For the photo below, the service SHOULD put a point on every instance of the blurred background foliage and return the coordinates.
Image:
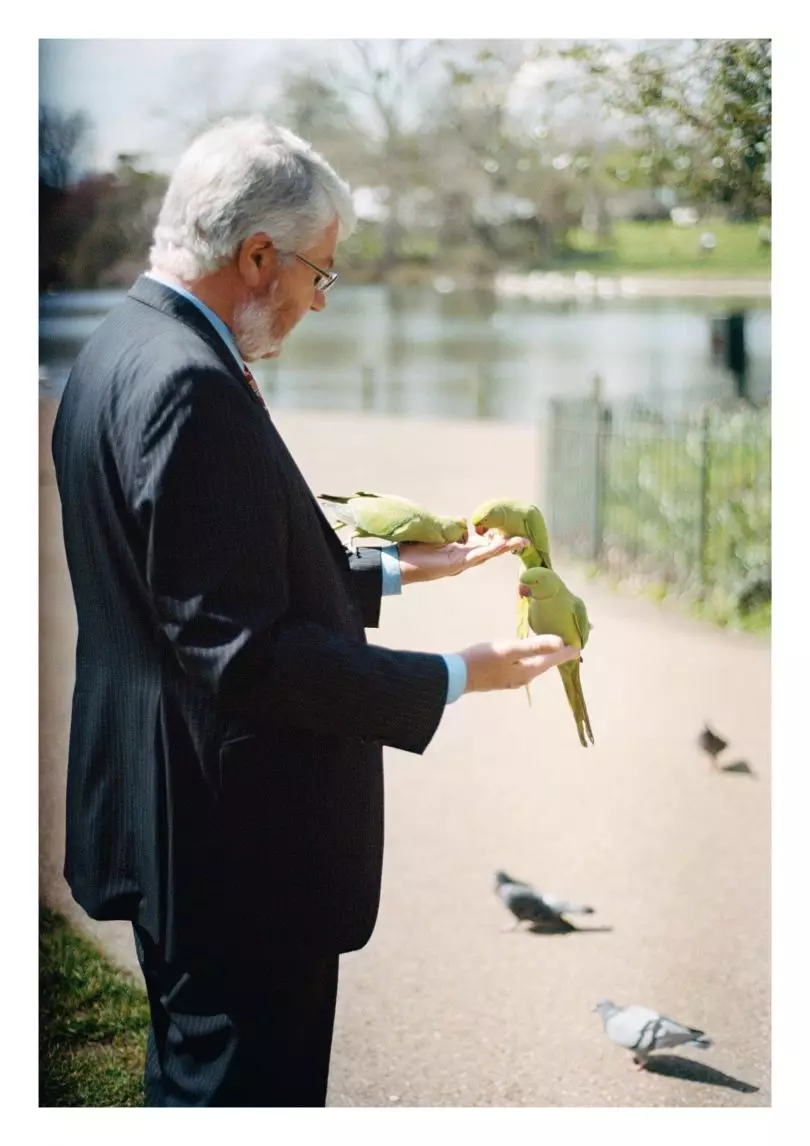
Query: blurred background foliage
(471, 156)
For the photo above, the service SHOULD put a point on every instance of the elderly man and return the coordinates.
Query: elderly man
(225, 785)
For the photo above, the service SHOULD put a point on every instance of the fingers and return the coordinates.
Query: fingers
(511, 664)
(494, 546)
(540, 653)
(509, 544)
(543, 661)
(538, 643)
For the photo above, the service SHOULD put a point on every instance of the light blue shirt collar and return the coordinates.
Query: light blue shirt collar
(217, 323)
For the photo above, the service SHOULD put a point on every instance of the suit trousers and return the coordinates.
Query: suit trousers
(245, 1034)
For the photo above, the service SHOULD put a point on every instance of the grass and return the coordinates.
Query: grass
(687, 512)
(93, 1023)
(635, 248)
(717, 607)
(663, 248)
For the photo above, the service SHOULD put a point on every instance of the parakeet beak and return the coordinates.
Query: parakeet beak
(480, 530)
(524, 590)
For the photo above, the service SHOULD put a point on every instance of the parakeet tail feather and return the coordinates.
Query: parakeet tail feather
(576, 699)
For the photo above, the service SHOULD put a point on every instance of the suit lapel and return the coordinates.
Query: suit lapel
(163, 298)
(329, 530)
(289, 461)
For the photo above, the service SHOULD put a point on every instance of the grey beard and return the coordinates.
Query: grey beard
(254, 324)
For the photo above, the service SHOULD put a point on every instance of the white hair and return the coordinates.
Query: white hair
(240, 177)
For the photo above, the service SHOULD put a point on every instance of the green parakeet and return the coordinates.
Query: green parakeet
(552, 608)
(392, 518)
(516, 519)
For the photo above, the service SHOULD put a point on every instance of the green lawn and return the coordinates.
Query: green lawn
(635, 248)
(93, 1023)
(663, 248)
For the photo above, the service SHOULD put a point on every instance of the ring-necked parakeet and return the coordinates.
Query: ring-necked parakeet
(516, 519)
(393, 518)
(552, 608)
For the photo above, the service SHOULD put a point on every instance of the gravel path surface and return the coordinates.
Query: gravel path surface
(444, 1007)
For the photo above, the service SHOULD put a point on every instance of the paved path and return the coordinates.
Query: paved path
(444, 1008)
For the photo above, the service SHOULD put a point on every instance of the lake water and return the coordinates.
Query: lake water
(467, 354)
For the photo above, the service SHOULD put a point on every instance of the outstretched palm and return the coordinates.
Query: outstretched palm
(420, 562)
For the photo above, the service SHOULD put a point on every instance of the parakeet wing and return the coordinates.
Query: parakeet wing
(339, 513)
(536, 529)
(583, 625)
(383, 516)
(366, 493)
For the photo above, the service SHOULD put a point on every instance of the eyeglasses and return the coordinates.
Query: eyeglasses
(325, 279)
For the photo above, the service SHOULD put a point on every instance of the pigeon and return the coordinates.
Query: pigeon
(541, 909)
(711, 743)
(642, 1030)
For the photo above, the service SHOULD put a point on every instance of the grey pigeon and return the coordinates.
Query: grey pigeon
(711, 743)
(641, 1031)
(542, 909)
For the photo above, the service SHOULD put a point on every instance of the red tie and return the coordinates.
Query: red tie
(253, 384)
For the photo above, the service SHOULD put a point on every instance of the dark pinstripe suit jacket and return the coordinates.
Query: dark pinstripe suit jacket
(225, 767)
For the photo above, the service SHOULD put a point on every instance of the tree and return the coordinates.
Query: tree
(114, 216)
(390, 79)
(701, 115)
(205, 90)
(61, 137)
(492, 142)
(386, 88)
(316, 109)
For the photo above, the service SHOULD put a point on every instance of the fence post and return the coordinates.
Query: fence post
(367, 387)
(555, 512)
(705, 485)
(601, 433)
(598, 467)
(481, 388)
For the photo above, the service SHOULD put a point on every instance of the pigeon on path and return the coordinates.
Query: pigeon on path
(538, 908)
(642, 1030)
(711, 743)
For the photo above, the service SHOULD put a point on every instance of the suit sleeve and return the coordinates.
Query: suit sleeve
(212, 503)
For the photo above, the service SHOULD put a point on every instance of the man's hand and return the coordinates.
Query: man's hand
(512, 664)
(421, 562)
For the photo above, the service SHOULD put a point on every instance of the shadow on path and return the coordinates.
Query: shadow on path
(562, 927)
(692, 1071)
(740, 766)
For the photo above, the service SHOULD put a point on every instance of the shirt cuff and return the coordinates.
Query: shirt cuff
(391, 576)
(456, 675)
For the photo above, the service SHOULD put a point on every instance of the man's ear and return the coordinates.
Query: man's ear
(257, 260)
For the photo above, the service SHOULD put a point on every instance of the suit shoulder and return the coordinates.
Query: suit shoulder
(137, 355)
(148, 339)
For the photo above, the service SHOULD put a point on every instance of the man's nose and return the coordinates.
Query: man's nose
(318, 301)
